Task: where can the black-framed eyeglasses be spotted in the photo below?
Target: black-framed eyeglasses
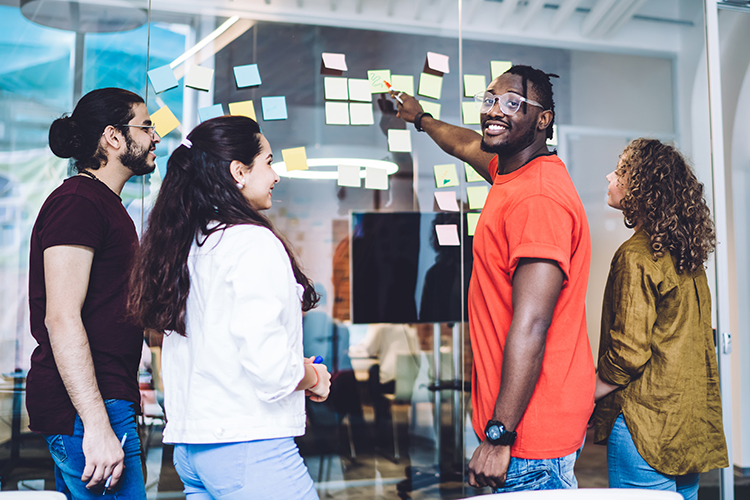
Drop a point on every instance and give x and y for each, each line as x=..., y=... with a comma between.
x=509, y=102
x=149, y=129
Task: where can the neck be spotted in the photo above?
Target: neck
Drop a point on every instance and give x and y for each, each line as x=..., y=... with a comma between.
x=513, y=161
x=112, y=176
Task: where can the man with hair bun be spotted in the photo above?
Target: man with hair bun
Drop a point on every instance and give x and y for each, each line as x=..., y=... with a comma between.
x=533, y=377
x=82, y=388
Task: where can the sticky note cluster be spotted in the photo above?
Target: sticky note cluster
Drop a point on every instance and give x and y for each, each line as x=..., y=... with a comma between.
x=431, y=79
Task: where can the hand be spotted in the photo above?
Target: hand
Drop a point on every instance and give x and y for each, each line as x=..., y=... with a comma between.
x=488, y=465
x=319, y=392
x=104, y=457
x=410, y=107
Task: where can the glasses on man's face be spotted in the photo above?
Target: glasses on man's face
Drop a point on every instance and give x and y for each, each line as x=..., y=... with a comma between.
x=509, y=102
x=149, y=129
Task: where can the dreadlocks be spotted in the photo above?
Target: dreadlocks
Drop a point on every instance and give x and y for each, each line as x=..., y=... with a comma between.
x=542, y=85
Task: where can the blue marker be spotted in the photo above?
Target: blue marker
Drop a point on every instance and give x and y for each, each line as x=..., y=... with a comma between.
x=318, y=360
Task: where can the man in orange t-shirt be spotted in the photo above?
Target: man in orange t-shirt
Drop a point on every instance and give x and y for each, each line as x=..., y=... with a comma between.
x=533, y=380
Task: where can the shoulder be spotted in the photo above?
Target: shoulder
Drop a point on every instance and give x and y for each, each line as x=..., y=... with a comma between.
x=245, y=240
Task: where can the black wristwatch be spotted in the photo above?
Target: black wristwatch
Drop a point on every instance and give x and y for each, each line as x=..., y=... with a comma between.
x=418, y=120
x=497, y=434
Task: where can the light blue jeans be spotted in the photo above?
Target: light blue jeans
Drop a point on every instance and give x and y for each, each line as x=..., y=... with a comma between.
x=541, y=474
x=67, y=452
x=267, y=469
x=627, y=469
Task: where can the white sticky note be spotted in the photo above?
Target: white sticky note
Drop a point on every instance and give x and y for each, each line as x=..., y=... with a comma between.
x=348, y=175
x=438, y=62
x=399, y=141
x=447, y=235
x=360, y=113
x=376, y=178
x=335, y=88
x=403, y=83
x=477, y=196
x=471, y=174
x=359, y=90
x=431, y=107
x=337, y=113
x=377, y=78
x=471, y=223
x=446, y=200
x=335, y=61
x=470, y=113
x=199, y=78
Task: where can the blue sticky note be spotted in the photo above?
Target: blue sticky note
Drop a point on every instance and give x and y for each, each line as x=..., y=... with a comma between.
x=247, y=75
x=210, y=112
x=162, y=79
x=274, y=108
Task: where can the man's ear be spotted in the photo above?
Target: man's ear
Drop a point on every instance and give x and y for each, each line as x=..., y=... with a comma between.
x=544, y=119
x=113, y=138
x=236, y=168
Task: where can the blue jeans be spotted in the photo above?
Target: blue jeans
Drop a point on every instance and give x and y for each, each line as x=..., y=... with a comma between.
x=541, y=474
x=627, y=469
x=67, y=452
x=267, y=469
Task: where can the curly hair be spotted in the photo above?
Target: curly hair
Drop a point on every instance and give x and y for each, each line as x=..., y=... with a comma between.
x=665, y=198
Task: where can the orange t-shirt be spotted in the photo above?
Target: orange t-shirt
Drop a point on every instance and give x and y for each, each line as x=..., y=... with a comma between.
x=534, y=212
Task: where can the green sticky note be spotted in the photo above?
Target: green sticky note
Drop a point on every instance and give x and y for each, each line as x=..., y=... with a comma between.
x=477, y=196
x=471, y=174
x=430, y=85
x=335, y=88
x=402, y=83
x=470, y=113
x=471, y=223
x=337, y=113
x=473, y=84
x=446, y=175
x=431, y=107
x=377, y=78
x=497, y=68
x=360, y=113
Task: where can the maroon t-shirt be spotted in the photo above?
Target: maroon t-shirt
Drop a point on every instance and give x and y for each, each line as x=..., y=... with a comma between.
x=85, y=212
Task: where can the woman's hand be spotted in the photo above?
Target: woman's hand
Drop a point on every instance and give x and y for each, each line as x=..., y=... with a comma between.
x=321, y=385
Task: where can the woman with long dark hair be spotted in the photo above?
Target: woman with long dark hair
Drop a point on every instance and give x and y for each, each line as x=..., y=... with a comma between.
x=659, y=406
x=214, y=274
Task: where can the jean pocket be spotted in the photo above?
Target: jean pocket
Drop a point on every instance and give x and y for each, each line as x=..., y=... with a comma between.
x=221, y=467
x=529, y=479
x=57, y=447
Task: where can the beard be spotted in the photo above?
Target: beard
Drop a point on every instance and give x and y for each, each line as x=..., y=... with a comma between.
x=135, y=157
x=510, y=146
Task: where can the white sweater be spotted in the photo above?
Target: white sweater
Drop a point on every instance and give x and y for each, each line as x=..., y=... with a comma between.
x=233, y=377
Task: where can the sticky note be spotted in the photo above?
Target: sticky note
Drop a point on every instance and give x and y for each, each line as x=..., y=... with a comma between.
x=553, y=141
x=162, y=79
x=337, y=113
x=243, y=108
x=473, y=84
x=348, y=175
x=446, y=175
x=247, y=75
x=402, y=83
x=446, y=200
x=360, y=113
x=497, y=68
x=335, y=61
x=164, y=120
x=431, y=107
x=471, y=223
x=377, y=78
x=470, y=113
x=274, y=107
x=359, y=90
x=198, y=77
x=447, y=235
x=376, y=178
x=335, y=88
x=471, y=174
x=430, y=85
x=210, y=112
x=399, y=141
x=477, y=196
x=438, y=62
x=295, y=158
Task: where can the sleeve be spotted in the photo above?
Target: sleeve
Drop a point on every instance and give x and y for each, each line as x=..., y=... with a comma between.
x=634, y=296
x=540, y=228
x=260, y=293
x=72, y=220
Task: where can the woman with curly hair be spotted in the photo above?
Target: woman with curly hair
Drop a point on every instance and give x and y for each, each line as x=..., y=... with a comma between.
x=657, y=388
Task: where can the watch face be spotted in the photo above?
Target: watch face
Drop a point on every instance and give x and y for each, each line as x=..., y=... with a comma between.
x=493, y=432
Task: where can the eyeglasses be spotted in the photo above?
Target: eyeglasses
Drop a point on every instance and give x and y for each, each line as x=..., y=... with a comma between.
x=509, y=102
x=149, y=129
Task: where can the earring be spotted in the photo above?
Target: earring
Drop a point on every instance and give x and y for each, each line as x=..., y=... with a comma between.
x=239, y=185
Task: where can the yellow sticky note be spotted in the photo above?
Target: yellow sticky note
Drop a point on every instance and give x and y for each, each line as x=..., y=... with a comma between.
x=470, y=113
x=497, y=68
x=471, y=223
x=446, y=175
x=477, y=196
x=377, y=78
x=399, y=141
x=337, y=113
x=165, y=121
x=431, y=107
x=471, y=174
x=430, y=85
x=243, y=108
x=294, y=158
x=473, y=84
x=335, y=88
x=402, y=83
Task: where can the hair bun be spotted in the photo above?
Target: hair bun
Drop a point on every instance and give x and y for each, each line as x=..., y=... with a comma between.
x=65, y=138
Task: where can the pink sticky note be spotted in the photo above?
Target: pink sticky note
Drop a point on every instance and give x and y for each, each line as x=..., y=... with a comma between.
x=446, y=200
x=438, y=62
x=447, y=235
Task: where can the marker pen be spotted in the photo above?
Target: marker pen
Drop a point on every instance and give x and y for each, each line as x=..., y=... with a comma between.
x=396, y=96
x=109, y=479
x=318, y=360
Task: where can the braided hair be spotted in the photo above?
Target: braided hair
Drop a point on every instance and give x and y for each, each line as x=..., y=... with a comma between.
x=542, y=86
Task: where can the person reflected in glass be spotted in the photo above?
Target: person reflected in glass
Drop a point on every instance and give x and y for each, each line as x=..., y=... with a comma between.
x=215, y=275
x=657, y=386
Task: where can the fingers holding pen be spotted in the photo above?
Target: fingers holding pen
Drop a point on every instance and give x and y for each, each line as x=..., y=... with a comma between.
x=408, y=106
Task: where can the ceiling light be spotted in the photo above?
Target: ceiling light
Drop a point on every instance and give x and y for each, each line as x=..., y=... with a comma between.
x=280, y=168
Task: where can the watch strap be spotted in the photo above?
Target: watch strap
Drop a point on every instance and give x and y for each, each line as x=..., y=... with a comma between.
x=418, y=120
x=506, y=437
